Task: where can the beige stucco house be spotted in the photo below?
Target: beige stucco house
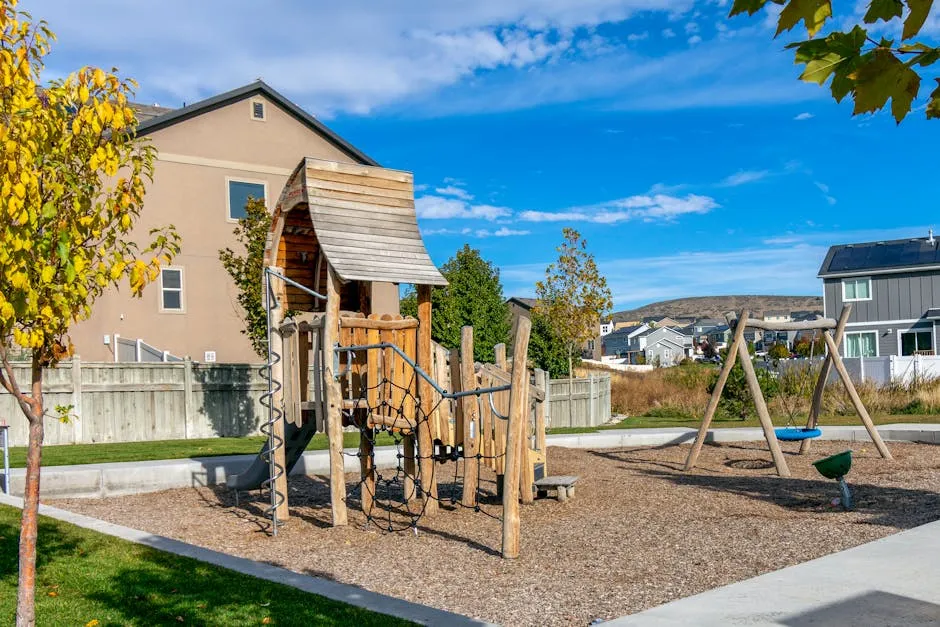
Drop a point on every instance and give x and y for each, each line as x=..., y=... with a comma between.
x=211, y=156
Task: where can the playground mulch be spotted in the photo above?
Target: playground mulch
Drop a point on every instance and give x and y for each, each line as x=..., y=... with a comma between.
x=638, y=533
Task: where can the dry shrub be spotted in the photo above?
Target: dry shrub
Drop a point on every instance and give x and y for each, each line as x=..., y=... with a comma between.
x=677, y=392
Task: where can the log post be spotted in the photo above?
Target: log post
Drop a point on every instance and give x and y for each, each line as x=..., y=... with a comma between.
x=856, y=399
x=471, y=422
x=515, y=433
x=765, y=422
x=425, y=394
x=526, y=461
x=716, y=393
x=280, y=453
x=501, y=401
x=541, y=381
x=816, y=405
x=334, y=400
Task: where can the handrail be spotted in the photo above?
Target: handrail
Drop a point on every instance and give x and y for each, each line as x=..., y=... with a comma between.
x=418, y=370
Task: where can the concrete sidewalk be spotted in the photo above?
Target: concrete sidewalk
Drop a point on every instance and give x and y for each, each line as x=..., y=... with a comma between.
x=892, y=581
x=124, y=478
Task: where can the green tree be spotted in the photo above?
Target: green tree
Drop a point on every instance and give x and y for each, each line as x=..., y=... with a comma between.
x=473, y=297
x=778, y=351
x=73, y=183
x=736, y=400
x=573, y=297
x=805, y=347
x=247, y=269
x=864, y=62
x=546, y=350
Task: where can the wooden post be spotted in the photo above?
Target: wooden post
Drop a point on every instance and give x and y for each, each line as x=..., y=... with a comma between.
x=280, y=453
x=425, y=394
x=76, y=373
x=303, y=366
x=517, y=418
x=471, y=423
x=853, y=394
x=527, y=468
x=541, y=382
x=716, y=393
x=816, y=405
x=334, y=400
x=502, y=404
x=766, y=424
x=367, y=470
x=456, y=384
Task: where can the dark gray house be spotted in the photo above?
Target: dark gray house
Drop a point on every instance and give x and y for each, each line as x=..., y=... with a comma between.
x=894, y=288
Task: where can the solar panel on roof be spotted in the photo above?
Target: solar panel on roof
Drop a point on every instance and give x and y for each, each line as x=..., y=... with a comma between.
x=883, y=255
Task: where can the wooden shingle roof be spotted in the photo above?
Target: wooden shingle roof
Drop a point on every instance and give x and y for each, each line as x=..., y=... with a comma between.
x=364, y=219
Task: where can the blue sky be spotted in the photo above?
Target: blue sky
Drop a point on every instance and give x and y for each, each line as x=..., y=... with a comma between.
x=678, y=141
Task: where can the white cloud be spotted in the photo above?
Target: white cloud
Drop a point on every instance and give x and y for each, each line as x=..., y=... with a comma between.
x=351, y=56
x=648, y=208
x=691, y=28
x=636, y=281
x=668, y=33
x=456, y=192
x=479, y=233
x=501, y=232
x=804, y=116
x=694, y=39
x=440, y=208
x=638, y=36
x=822, y=187
x=743, y=177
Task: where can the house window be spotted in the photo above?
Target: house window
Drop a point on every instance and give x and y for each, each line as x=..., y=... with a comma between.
x=257, y=110
x=171, y=289
x=238, y=194
x=914, y=342
x=863, y=344
x=856, y=289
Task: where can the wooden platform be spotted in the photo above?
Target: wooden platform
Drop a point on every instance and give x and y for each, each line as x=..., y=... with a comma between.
x=562, y=484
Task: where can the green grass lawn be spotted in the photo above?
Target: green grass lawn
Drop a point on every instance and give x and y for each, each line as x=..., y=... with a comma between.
x=84, y=576
x=638, y=422
x=68, y=454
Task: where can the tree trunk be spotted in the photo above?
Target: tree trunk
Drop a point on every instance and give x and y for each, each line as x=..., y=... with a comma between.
x=29, y=525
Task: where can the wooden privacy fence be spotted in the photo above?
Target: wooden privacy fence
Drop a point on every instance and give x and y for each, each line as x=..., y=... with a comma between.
x=129, y=402
x=589, y=406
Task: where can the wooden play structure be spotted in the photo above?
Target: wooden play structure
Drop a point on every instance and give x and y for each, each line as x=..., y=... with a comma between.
x=832, y=332
x=338, y=231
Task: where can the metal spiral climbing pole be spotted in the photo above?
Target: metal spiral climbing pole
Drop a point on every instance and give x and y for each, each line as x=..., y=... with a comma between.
x=274, y=413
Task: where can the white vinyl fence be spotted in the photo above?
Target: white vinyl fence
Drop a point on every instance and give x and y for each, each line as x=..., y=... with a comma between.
x=589, y=406
x=893, y=368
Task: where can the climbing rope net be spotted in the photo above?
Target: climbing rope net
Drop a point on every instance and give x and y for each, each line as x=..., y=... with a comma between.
x=398, y=497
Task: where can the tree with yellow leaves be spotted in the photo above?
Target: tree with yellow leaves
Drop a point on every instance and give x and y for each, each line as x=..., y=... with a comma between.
x=72, y=182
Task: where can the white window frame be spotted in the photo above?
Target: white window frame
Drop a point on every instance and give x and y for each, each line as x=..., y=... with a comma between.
x=228, y=194
x=845, y=345
x=856, y=280
x=264, y=109
x=182, y=290
x=933, y=339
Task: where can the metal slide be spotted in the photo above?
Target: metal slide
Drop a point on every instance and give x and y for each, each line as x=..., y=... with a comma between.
x=296, y=440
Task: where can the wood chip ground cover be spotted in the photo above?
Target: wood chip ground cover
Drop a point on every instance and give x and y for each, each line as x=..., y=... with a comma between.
x=638, y=533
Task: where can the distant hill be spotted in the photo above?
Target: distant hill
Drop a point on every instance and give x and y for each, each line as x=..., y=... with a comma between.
x=716, y=306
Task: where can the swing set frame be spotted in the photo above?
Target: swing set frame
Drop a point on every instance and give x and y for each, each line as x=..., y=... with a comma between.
x=833, y=332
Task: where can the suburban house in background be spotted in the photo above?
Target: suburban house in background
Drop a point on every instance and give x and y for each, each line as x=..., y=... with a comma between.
x=894, y=289
x=212, y=155
x=520, y=306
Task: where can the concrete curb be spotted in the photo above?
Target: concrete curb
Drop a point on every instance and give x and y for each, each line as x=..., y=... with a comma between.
x=125, y=478
x=358, y=597
x=889, y=581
